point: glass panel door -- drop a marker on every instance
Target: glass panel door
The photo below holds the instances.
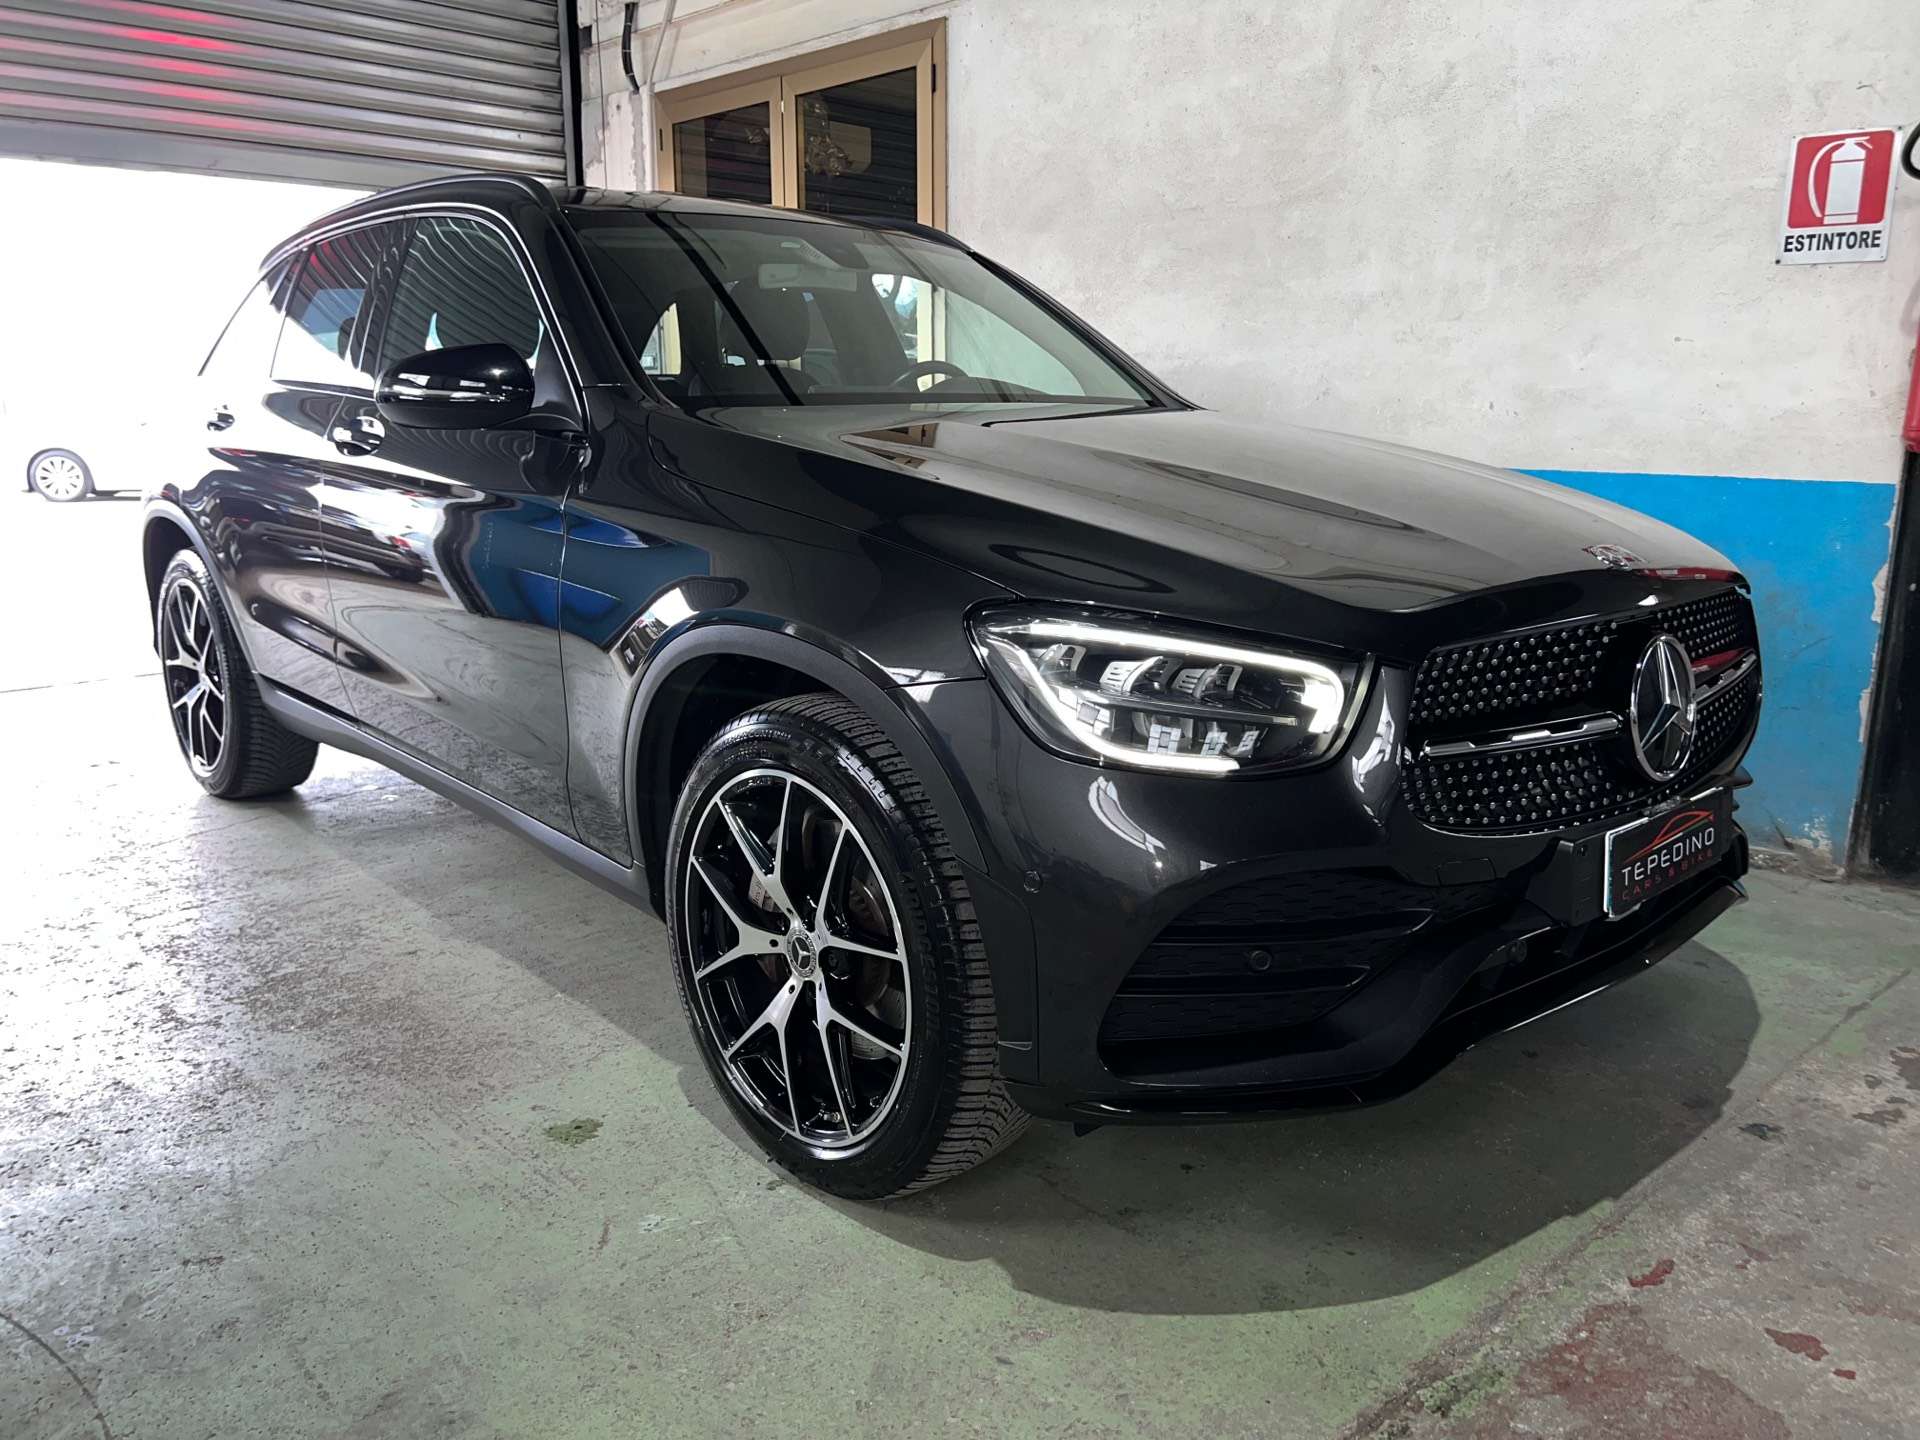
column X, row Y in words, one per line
column 860, row 148
column 724, row 145
column 857, row 131
column 728, row 156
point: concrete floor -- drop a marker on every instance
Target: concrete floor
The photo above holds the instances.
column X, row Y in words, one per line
column 350, row 1115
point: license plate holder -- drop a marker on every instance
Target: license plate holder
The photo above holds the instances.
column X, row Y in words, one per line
column 1651, row 856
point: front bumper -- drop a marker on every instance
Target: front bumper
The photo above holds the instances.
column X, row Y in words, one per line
column 1506, row 997
column 1087, row 868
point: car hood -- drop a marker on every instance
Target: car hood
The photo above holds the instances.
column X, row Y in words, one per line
column 1189, row 512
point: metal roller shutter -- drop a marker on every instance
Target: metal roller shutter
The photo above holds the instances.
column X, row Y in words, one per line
column 365, row 93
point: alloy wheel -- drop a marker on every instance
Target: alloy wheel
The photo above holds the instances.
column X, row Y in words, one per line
column 59, row 477
column 798, row 963
column 196, row 686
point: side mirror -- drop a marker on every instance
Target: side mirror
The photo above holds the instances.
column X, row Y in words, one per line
column 465, row 387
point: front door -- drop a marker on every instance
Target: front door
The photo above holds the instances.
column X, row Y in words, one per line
column 443, row 546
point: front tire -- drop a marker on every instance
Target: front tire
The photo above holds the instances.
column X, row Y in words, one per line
column 232, row 744
column 827, row 954
column 60, row 476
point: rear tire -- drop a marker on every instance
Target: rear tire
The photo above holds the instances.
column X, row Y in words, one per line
column 879, row 1076
column 60, row 476
column 232, row 744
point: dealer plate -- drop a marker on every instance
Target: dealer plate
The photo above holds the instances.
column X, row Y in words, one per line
column 1651, row 856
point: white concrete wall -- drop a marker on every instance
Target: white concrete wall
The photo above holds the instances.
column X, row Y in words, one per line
column 1527, row 231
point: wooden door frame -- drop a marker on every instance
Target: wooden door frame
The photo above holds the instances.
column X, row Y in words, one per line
column 921, row 48
column 677, row 108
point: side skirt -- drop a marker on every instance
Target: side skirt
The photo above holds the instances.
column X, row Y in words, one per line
column 329, row 727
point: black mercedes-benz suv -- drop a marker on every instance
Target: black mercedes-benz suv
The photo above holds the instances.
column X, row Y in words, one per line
column 998, row 732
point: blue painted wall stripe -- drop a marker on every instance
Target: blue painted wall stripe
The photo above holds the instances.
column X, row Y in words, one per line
column 1812, row 549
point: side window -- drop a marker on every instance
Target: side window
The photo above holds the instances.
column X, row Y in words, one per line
column 661, row 354
column 460, row 284
column 244, row 352
column 901, row 296
column 935, row 323
column 324, row 338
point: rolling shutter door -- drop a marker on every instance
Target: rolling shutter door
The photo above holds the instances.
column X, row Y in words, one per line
column 365, row 93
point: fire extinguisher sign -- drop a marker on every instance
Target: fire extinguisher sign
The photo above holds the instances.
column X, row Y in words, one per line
column 1839, row 198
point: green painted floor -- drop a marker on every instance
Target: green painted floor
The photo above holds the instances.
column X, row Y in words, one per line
column 350, row 1115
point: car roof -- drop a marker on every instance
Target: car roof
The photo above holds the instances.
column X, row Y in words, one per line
column 498, row 190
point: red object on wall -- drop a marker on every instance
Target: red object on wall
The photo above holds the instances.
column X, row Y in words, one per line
column 1911, row 433
column 1841, row 179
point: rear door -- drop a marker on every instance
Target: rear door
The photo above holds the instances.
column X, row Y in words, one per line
column 317, row 363
column 443, row 546
column 256, row 491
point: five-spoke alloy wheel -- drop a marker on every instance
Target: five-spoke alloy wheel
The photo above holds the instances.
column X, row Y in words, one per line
column 828, row 955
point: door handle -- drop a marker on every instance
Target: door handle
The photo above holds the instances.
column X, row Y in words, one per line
column 358, row 434
column 222, row 418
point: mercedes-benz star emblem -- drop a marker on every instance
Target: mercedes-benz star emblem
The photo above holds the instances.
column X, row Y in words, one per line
column 1616, row 557
column 1660, row 710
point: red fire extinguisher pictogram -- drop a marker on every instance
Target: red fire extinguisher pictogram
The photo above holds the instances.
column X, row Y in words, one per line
column 1846, row 164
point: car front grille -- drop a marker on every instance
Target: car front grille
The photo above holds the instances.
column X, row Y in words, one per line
column 1271, row 953
column 1513, row 680
column 1542, row 678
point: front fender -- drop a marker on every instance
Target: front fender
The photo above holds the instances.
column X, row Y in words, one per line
column 660, row 696
column 671, row 676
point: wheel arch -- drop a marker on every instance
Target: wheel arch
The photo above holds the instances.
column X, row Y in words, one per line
column 670, row 720
column 165, row 532
column 162, row 536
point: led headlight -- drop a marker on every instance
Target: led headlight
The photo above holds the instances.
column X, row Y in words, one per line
column 1136, row 693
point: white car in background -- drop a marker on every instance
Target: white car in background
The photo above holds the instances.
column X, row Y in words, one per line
column 63, row 454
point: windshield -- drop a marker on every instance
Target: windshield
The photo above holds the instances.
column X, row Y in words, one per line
column 741, row 309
